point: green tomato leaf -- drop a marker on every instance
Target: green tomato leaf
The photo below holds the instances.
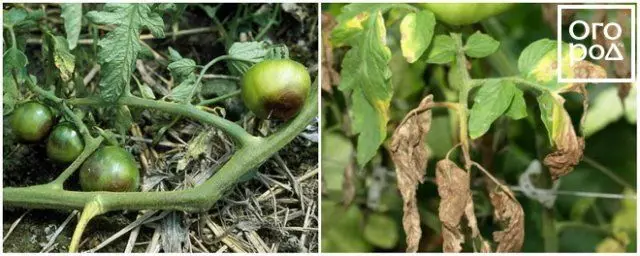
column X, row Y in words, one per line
column 491, row 101
column 13, row 16
column 72, row 15
column 174, row 55
column 416, row 30
column 146, row 92
column 381, row 231
column 533, row 53
column 119, row 48
column 553, row 114
column 480, row 45
column 341, row 231
column 254, row 52
column 365, row 71
column 335, row 160
column 14, row 58
column 185, row 90
column 123, row 120
column 10, row 92
column 182, row 68
column 443, row 50
column 630, row 104
column 518, row 108
column 605, row 109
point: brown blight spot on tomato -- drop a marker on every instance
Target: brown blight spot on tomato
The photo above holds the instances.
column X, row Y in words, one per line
column 285, row 106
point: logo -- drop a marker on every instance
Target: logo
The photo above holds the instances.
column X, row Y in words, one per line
column 596, row 40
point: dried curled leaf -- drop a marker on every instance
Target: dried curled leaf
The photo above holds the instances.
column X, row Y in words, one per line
column 330, row 76
column 568, row 146
column 410, row 155
column 455, row 201
column 509, row 214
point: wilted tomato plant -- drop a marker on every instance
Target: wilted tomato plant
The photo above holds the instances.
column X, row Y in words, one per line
column 409, row 70
column 85, row 126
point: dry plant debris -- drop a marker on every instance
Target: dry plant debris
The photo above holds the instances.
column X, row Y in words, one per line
column 410, row 155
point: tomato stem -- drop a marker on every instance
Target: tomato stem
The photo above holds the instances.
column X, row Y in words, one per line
column 91, row 209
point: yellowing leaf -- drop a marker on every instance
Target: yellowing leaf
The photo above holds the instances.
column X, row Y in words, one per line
column 539, row 63
column 568, row 146
column 365, row 70
column 416, row 31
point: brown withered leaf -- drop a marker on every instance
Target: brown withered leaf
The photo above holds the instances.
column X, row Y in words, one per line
column 410, row 155
column 455, row 202
column 568, row 146
column 330, row 76
column 509, row 215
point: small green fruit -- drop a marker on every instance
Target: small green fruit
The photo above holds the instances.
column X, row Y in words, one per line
column 64, row 144
column 31, row 122
column 110, row 168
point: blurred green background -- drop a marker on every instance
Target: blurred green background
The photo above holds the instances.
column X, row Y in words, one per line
column 362, row 208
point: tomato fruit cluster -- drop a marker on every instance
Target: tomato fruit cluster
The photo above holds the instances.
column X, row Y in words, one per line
column 276, row 88
column 110, row 168
column 459, row 14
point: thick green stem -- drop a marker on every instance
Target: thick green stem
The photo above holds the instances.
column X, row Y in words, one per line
column 232, row 129
column 196, row 199
column 91, row 210
column 463, row 99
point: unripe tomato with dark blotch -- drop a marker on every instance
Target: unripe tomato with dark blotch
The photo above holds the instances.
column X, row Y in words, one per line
column 31, row 122
column 64, row 144
column 110, row 168
column 459, row 14
column 276, row 89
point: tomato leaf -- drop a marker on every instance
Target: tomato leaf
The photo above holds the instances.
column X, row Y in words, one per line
column 365, row 71
column 119, row 48
column 14, row 58
column 518, row 108
column 72, row 15
column 539, row 63
column 535, row 51
column 253, row 52
column 605, row 109
column 185, row 90
column 13, row 16
column 491, row 101
column 350, row 21
column 416, row 30
column 61, row 57
column 480, row 45
column 182, row 67
column 381, row 231
column 442, row 50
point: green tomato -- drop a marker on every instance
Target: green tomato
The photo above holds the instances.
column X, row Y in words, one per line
column 465, row 13
column 64, row 144
column 276, row 88
column 31, row 121
column 110, row 168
